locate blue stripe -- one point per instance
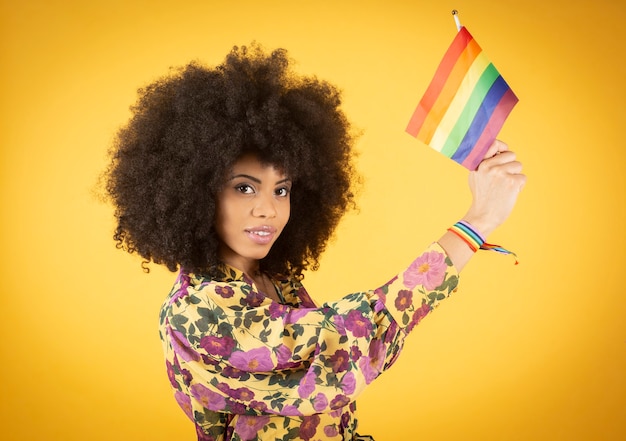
(470, 232)
(486, 109)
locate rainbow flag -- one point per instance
(465, 104)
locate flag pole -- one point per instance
(455, 14)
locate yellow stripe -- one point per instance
(458, 102)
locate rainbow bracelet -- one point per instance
(475, 240)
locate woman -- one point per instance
(236, 176)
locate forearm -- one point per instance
(456, 249)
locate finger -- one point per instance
(517, 181)
(496, 147)
(502, 146)
(496, 160)
(513, 167)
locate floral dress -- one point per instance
(244, 367)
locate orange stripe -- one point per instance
(456, 107)
(464, 238)
(446, 65)
(434, 117)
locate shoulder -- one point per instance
(194, 288)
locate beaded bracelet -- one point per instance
(475, 240)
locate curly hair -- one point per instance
(186, 131)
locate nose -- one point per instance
(264, 206)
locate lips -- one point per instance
(261, 235)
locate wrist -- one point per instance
(475, 239)
(481, 225)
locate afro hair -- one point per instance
(187, 129)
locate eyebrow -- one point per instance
(257, 180)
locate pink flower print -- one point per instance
(372, 365)
(242, 393)
(428, 270)
(380, 293)
(336, 413)
(320, 402)
(185, 403)
(254, 299)
(209, 361)
(404, 299)
(171, 375)
(202, 435)
(223, 387)
(186, 377)
(379, 305)
(209, 399)
(418, 315)
(277, 310)
(331, 431)
(182, 290)
(220, 346)
(348, 383)
(377, 354)
(308, 428)
(339, 360)
(224, 291)
(254, 360)
(340, 324)
(391, 332)
(358, 324)
(259, 406)
(294, 315)
(283, 354)
(290, 410)
(339, 401)
(236, 407)
(307, 384)
(369, 372)
(231, 372)
(181, 346)
(355, 353)
(345, 418)
(248, 426)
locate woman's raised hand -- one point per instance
(495, 186)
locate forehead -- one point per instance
(250, 163)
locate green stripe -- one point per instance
(464, 122)
(471, 233)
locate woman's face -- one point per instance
(252, 209)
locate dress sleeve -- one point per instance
(277, 359)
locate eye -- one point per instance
(244, 188)
(282, 191)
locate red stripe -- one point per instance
(460, 42)
(464, 239)
(454, 86)
(492, 128)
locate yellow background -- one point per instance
(529, 352)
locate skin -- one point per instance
(495, 186)
(254, 207)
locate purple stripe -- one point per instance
(486, 109)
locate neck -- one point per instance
(253, 270)
(249, 267)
